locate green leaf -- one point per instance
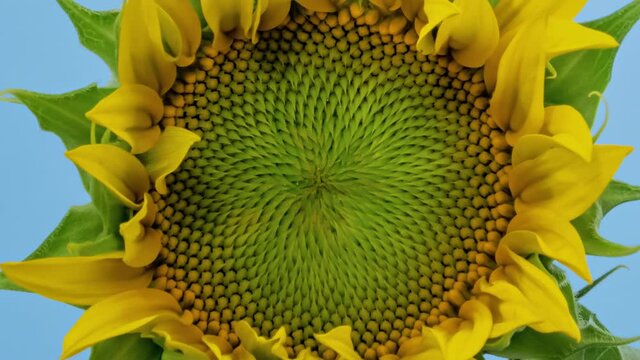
(585, 290)
(63, 114)
(588, 223)
(629, 353)
(80, 227)
(126, 347)
(584, 72)
(97, 30)
(81, 223)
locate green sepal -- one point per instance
(546, 264)
(81, 227)
(585, 290)
(571, 86)
(498, 344)
(63, 114)
(126, 347)
(6, 284)
(174, 355)
(97, 31)
(588, 223)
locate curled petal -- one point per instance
(411, 8)
(512, 14)
(181, 29)
(561, 181)
(546, 301)
(517, 104)
(319, 5)
(387, 6)
(220, 348)
(567, 127)
(141, 242)
(566, 36)
(458, 338)
(142, 58)
(543, 232)
(563, 34)
(182, 336)
(510, 310)
(472, 35)
(135, 311)
(121, 172)
(132, 112)
(436, 11)
(82, 280)
(274, 13)
(339, 340)
(231, 19)
(258, 346)
(168, 154)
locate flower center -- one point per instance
(342, 179)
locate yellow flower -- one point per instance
(330, 179)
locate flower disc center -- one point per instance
(342, 179)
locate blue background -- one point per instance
(39, 51)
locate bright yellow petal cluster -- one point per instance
(557, 172)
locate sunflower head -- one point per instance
(332, 179)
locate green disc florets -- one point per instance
(342, 179)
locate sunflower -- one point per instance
(383, 179)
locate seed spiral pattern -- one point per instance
(342, 179)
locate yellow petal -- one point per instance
(517, 104)
(421, 347)
(135, 311)
(275, 14)
(512, 14)
(561, 181)
(306, 355)
(472, 35)
(411, 8)
(121, 172)
(543, 232)
(318, 5)
(387, 6)
(141, 55)
(142, 243)
(258, 346)
(563, 127)
(546, 302)
(566, 36)
(339, 340)
(168, 154)
(227, 19)
(181, 336)
(462, 338)
(458, 338)
(187, 24)
(510, 310)
(436, 11)
(132, 112)
(567, 127)
(219, 346)
(82, 280)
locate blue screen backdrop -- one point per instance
(39, 51)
